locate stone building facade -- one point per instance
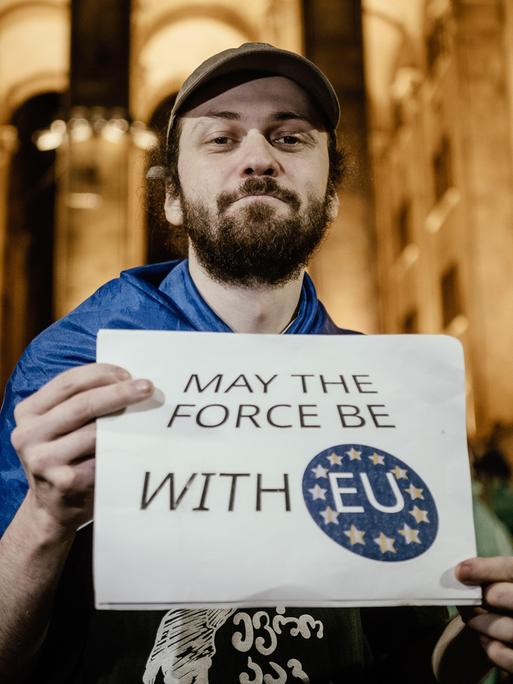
(439, 80)
(99, 224)
(424, 241)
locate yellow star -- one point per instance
(377, 459)
(354, 455)
(317, 492)
(319, 471)
(400, 473)
(414, 492)
(385, 543)
(329, 515)
(355, 535)
(334, 459)
(409, 534)
(419, 514)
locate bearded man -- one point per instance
(252, 169)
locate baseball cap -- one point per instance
(261, 58)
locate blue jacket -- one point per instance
(158, 297)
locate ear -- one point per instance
(173, 210)
(333, 207)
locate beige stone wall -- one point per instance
(486, 120)
(170, 38)
(34, 38)
(439, 78)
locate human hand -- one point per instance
(493, 622)
(55, 438)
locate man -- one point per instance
(252, 169)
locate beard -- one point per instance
(255, 247)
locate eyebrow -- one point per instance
(286, 116)
(233, 116)
(276, 116)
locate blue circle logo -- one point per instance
(370, 502)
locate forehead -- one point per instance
(264, 95)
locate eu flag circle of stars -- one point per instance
(407, 523)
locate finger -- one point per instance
(95, 403)
(499, 595)
(77, 446)
(73, 448)
(468, 612)
(71, 483)
(494, 626)
(500, 654)
(78, 411)
(66, 385)
(485, 570)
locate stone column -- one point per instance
(96, 234)
(344, 269)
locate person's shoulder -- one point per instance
(71, 339)
(324, 324)
(330, 328)
(347, 331)
(130, 301)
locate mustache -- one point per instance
(258, 186)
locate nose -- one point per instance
(258, 156)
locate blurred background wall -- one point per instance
(424, 241)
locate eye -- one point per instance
(287, 140)
(222, 140)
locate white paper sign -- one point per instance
(295, 469)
